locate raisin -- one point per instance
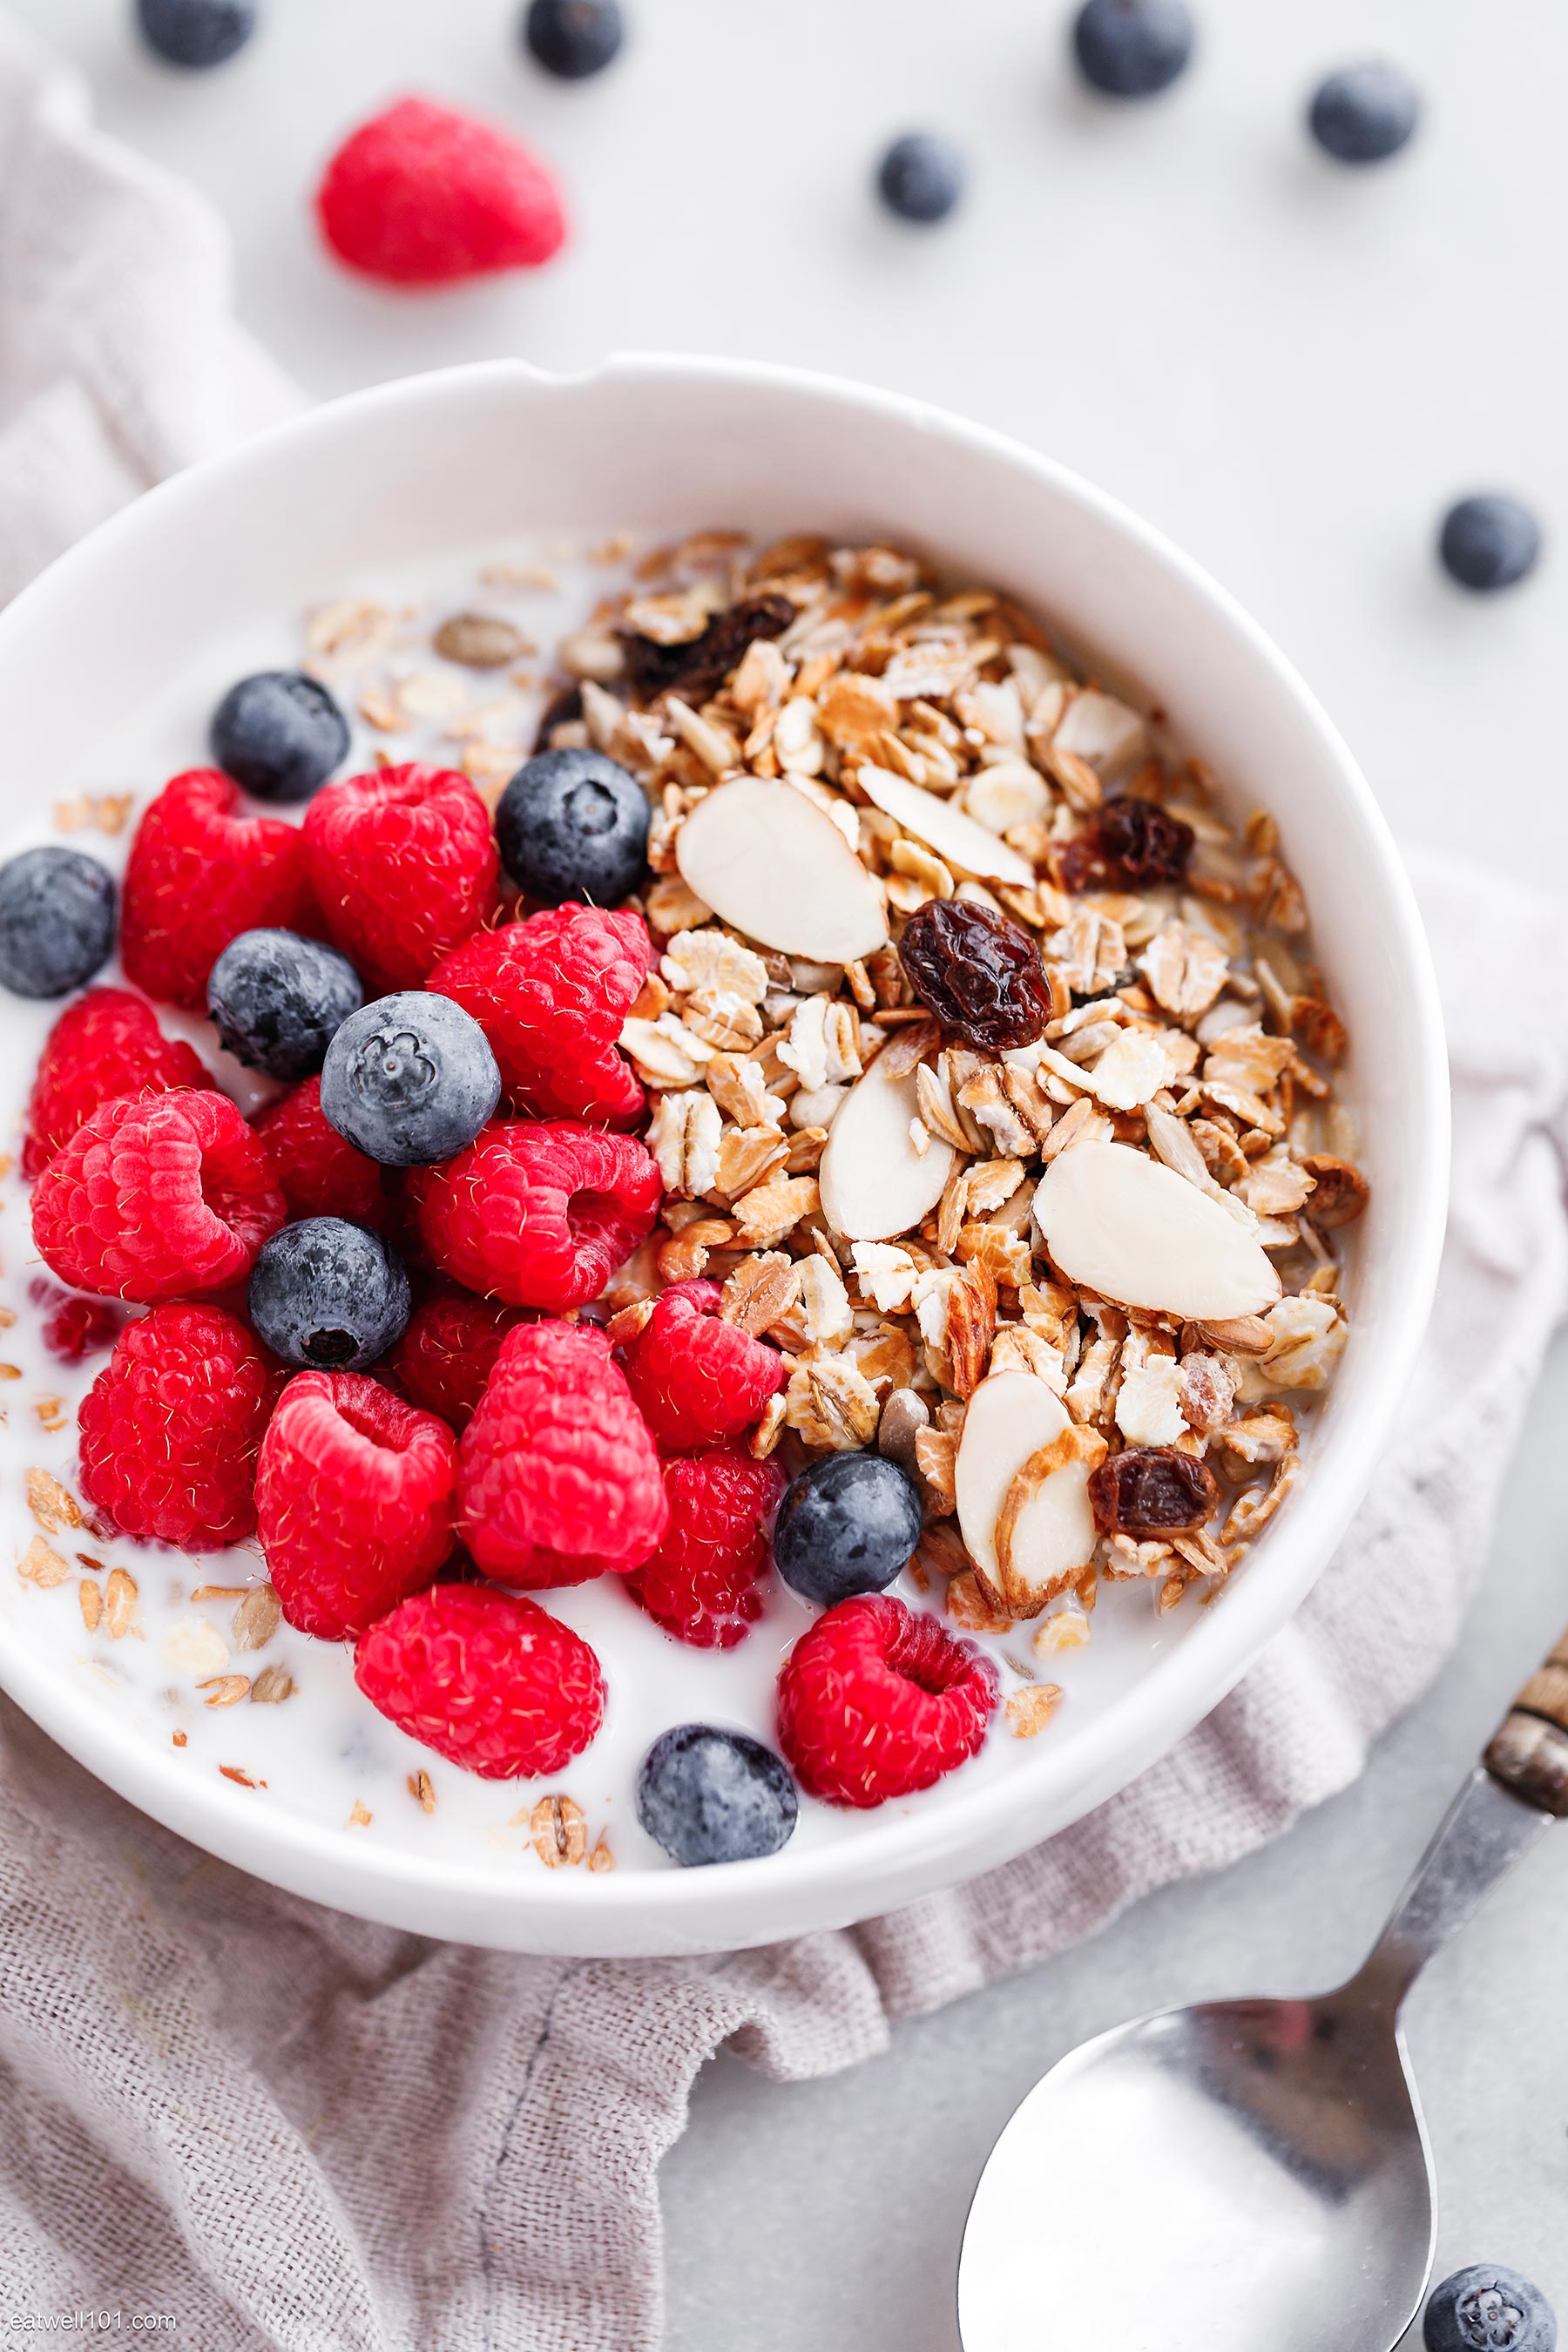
(1145, 842)
(563, 708)
(1153, 1490)
(698, 669)
(978, 972)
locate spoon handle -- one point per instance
(1530, 1754)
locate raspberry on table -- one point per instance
(485, 1678)
(105, 1044)
(321, 1174)
(551, 994)
(448, 1352)
(421, 194)
(57, 920)
(158, 1196)
(404, 864)
(875, 1702)
(704, 1581)
(355, 1492)
(560, 1480)
(199, 874)
(695, 1377)
(73, 1326)
(171, 1426)
(540, 1216)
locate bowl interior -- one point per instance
(422, 470)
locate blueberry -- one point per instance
(1132, 48)
(329, 1295)
(57, 920)
(1363, 113)
(1488, 2309)
(715, 1796)
(574, 39)
(846, 1525)
(409, 1080)
(280, 734)
(921, 177)
(196, 32)
(571, 824)
(280, 1000)
(1488, 542)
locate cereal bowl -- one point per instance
(110, 667)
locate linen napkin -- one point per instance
(293, 2132)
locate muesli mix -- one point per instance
(847, 1108)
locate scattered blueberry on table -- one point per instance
(847, 1525)
(921, 177)
(1365, 113)
(573, 825)
(280, 734)
(1132, 48)
(1489, 2309)
(196, 32)
(279, 1000)
(574, 39)
(1488, 542)
(329, 1295)
(707, 1796)
(409, 1080)
(57, 920)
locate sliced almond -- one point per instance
(768, 860)
(1106, 733)
(874, 1183)
(1129, 1229)
(1046, 1532)
(957, 839)
(1012, 1417)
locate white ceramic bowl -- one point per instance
(421, 470)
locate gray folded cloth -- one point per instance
(285, 2127)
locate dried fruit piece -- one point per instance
(696, 669)
(872, 1182)
(775, 865)
(978, 972)
(1153, 1490)
(1144, 842)
(1129, 1229)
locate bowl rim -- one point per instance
(854, 1877)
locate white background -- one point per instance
(1291, 368)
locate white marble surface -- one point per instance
(1291, 368)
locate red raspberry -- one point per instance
(157, 1196)
(560, 1480)
(171, 1427)
(704, 1583)
(320, 1175)
(448, 1352)
(552, 995)
(404, 866)
(695, 1377)
(420, 194)
(486, 1679)
(198, 875)
(540, 1216)
(73, 1326)
(105, 1044)
(354, 1496)
(875, 1702)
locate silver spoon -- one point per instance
(1251, 2174)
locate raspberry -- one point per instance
(875, 1702)
(552, 995)
(105, 1044)
(404, 866)
(450, 1350)
(73, 1326)
(320, 1175)
(199, 875)
(171, 1427)
(354, 1496)
(697, 1378)
(420, 196)
(157, 1196)
(486, 1679)
(539, 1215)
(560, 1480)
(704, 1583)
